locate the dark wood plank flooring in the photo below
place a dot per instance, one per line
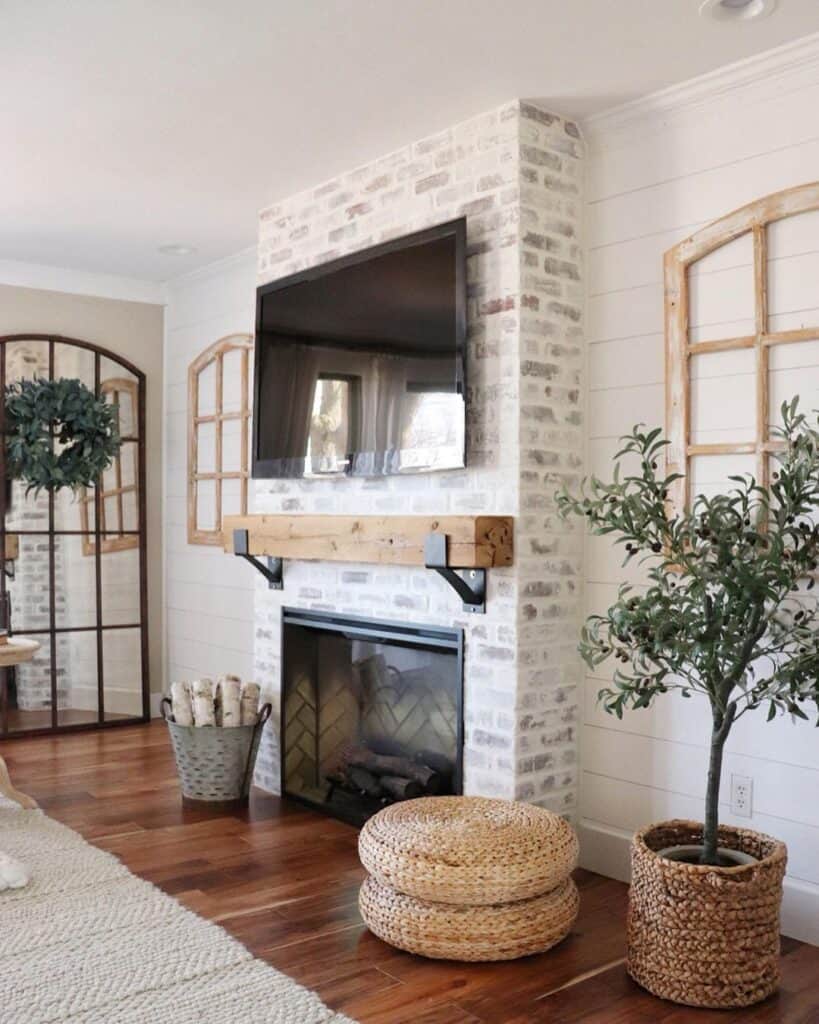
(284, 881)
(22, 721)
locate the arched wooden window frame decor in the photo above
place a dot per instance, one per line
(752, 219)
(215, 354)
(116, 537)
(51, 533)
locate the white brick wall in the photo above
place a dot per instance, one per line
(549, 552)
(516, 174)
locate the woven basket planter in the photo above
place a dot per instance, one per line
(480, 933)
(700, 935)
(468, 850)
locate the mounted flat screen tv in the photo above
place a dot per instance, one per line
(359, 363)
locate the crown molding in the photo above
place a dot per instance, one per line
(217, 267)
(794, 56)
(80, 282)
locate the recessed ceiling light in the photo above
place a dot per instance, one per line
(737, 10)
(176, 249)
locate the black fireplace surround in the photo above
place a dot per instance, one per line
(372, 712)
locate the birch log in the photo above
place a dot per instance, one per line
(250, 703)
(203, 709)
(181, 707)
(228, 701)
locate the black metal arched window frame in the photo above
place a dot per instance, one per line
(99, 628)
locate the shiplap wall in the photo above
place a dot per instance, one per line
(653, 179)
(209, 594)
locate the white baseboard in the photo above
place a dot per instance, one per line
(605, 850)
(124, 702)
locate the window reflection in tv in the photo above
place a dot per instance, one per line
(360, 362)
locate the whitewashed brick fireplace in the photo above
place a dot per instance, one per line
(516, 173)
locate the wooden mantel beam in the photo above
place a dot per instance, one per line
(475, 542)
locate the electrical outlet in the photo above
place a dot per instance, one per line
(742, 796)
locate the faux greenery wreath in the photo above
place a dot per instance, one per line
(84, 428)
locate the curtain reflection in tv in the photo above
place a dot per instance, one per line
(360, 361)
(342, 410)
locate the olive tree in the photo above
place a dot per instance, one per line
(727, 611)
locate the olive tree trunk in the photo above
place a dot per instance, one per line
(722, 721)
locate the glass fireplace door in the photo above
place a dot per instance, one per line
(371, 712)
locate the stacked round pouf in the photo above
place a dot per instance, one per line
(468, 878)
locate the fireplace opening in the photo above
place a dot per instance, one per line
(372, 712)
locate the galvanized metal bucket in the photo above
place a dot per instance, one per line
(215, 763)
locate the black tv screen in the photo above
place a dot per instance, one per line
(359, 363)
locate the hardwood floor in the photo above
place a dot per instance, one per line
(284, 881)
(20, 721)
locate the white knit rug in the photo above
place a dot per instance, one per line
(90, 943)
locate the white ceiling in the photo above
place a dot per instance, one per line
(127, 124)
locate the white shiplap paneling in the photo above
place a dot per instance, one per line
(209, 594)
(653, 180)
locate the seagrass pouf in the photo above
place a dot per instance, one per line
(468, 878)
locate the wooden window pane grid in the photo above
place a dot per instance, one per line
(198, 531)
(753, 219)
(119, 391)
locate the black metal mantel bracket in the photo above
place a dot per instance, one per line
(469, 584)
(273, 572)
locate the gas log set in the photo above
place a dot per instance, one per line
(391, 777)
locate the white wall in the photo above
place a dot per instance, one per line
(657, 173)
(209, 594)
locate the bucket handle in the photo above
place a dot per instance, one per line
(264, 714)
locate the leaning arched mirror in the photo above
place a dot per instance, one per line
(75, 556)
